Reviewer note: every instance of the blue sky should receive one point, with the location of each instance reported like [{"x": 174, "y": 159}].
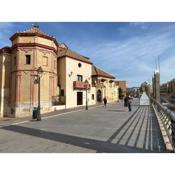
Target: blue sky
[{"x": 127, "y": 50}]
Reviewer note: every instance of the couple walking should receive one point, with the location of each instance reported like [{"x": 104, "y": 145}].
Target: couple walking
[{"x": 127, "y": 103}]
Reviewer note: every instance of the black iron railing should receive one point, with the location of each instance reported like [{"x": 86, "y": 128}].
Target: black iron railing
[{"x": 168, "y": 119}]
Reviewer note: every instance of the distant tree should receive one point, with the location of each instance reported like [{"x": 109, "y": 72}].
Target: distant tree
[{"x": 120, "y": 93}]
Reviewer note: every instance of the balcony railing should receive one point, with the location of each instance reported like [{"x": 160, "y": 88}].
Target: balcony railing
[
  {"x": 58, "y": 100},
  {"x": 80, "y": 85}
]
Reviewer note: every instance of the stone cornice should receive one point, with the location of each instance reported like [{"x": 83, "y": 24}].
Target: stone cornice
[
  {"x": 33, "y": 45},
  {"x": 13, "y": 37},
  {"x": 33, "y": 71}
]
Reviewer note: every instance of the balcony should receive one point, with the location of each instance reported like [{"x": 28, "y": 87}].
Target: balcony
[{"x": 80, "y": 85}]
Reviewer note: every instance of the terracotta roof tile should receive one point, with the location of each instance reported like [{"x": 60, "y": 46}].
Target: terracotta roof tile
[
  {"x": 65, "y": 51},
  {"x": 5, "y": 50},
  {"x": 101, "y": 73},
  {"x": 32, "y": 32}
]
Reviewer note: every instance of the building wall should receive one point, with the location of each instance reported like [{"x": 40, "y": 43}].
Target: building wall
[
  {"x": 1, "y": 86},
  {"x": 122, "y": 85},
  {"x": 65, "y": 80},
  {"x": 34, "y": 39},
  {"x": 5, "y": 79},
  {"x": 93, "y": 96},
  {"x": 171, "y": 86},
  {"x": 168, "y": 87},
  {"x": 110, "y": 90},
  {"x": 61, "y": 71},
  {"x": 116, "y": 95},
  {"x": 25, "y": 93},
  {"x": 71, "y": 94},
  {"x": 19, "y": 93}
]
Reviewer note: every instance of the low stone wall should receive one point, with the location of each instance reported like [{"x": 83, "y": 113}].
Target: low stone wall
[{"x": 167, "y": 142}]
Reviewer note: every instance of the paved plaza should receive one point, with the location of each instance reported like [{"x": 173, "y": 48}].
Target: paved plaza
[{"x": 99, "y": 129}]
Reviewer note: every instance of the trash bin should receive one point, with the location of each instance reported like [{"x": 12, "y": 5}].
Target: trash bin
[{"x": 35, "y": 113}]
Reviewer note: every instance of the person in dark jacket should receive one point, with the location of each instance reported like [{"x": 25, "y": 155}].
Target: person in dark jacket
[
  {"x": 105, "y": 101},
  {"x": 129, "y": 104},
  {"x": 126, "y": 103}
]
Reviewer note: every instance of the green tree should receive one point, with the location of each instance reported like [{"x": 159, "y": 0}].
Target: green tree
[{"x": 120, "y": 93}]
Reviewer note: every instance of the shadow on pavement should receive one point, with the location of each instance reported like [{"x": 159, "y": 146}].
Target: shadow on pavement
[
  {"x": 132, "y": 130},
  {"x": 99, "y": 146},
  {"x": 116, "y": 110},
  {"x": 122, "y": 126}
]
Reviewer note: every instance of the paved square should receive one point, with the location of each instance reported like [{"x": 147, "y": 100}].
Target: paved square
[{"x": 99, "y": 129}]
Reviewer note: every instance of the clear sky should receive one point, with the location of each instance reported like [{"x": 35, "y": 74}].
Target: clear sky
[{"x": 127, "y": 50}]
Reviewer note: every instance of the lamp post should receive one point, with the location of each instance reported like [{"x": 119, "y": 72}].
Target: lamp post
[
  {"x": 40, "y": 72},
  {"x": 86, "y": 84}
]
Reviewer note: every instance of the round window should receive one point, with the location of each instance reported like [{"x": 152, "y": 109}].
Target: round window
[{"x": 79, "y": 65}]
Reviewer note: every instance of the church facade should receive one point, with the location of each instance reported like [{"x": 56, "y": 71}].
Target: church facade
[{"x": 68, "y": 78}]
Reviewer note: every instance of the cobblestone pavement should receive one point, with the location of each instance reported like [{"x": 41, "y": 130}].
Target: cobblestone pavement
[{"x": 110, "y": 129}]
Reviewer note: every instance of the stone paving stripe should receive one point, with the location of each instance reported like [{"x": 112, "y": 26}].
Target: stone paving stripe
[
  {"x": 116, "y": 133},
  {"x": 126, "y": 143},
  {"x": 126, "y": 130},
  {"x": 139, "y": 132},
  {"x": 146, "y": 132}
]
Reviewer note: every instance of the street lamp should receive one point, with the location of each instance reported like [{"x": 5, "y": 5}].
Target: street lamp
[
  {"x": 37, "y": 81},
  {"x": 86, "y": 85}
]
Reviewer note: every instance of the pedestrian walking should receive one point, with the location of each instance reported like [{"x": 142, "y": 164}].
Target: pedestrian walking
[
  {"x": 105, "y": 101},
  {"x": 129, "y": 103},
  {"x": 126, "y": 103}
]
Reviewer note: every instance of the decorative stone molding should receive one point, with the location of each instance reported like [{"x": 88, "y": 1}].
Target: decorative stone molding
[
  {"x": 33, "y": 45},
  {"x": 44, "y": 51},
  {"x": 26, "y": 50},
  {"x": 34, "y": 71},
  {"x": 18, "y": 73},
  {"x": 12, "y": 38}
]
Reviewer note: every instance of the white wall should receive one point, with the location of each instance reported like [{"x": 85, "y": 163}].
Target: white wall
[
  {"x": 93, "y": 91},
  {"x": 4, "y": 84},
  {"x": 85, "y": 70}
]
